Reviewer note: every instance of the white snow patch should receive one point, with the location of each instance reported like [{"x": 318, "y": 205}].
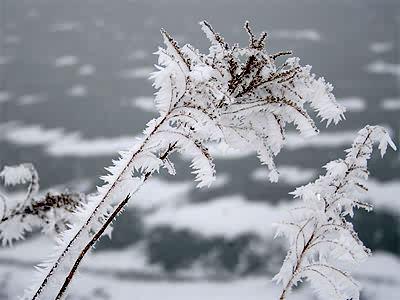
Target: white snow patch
[
  {"x": 220, "y": 180},
  {"x": 30, "y": 135},
  {"x": 30, "y": 99},
  {"x": 145, "y": 103},
  {"x": 382, "y": 67},
  {"x": 66, "y": 26},
  {"x": 98, "y": 22},
  {"x": 5, "y": 96},
  {"x": 33, "y": 13},
  {"x": 26, "y": 251},
  {"x": 380, "y": 47},
  {"x": 379, "y": 277},
  {"x": 385, "y": 265},
  {"x": 391, "y": 104},
  {"x": 384, "y": 195},
  {"x": 87, "y": 70},
  {"x": 224, "y": 151},
  {"x": 100, "y": 285},
  {"x": 225, "y": 216},
  {"x": 58, "y": 142},
  {"x": 119, "y": 35},
  {"x": 66, "y": 61},
  {"x": 75, "y": 145},
  {"x": 303, "y": 34},
  {"x": 293, "y": 142},
  {"x": 143, "y": 72},
  {"x": 5, "y": 59},
  {"x": 288, "y": 174},
  {"x": 78, "y": 90},
  {"x": 12, "y": 39},
  {"x": 354, "y": 104},
  {"x": 137, "y": 55},
  {"x": 129, "y": 258},
  {"x": 157, "y": 194},
  {"x": 323, "y": 140}
]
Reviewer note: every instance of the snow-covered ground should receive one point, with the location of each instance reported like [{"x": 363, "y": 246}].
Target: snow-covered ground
[
  {"x": 116, "y": 273},
  {"x": 120, "y": 274}
]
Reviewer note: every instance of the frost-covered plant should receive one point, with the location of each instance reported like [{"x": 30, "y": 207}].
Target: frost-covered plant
[
  {"x": 321, "y": 237},
  {"x": 50, "y": 213},
  {"x": 236, "y": 95}
]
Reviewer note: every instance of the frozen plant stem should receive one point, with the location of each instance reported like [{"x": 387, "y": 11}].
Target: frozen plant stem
[
  {"x": 232, "y": 95},
  {"x": 319, "y": 232},
  {"x": 296, "y": 270},
  {"x": 118, "y": 208},
  {"x": 100, "y": 232}
]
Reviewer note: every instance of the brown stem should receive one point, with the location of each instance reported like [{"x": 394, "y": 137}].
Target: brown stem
[
  {"x": 296, "y": 269},
  {"x": 50, "y": 201},
  {"x": 89, "y": 246},
  {"x": 100, "y": 232},
  {"x": 69, "y": 245},
  {"x": 309, "y": 243}
]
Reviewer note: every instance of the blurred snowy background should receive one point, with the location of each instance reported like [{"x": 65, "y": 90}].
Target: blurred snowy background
[{"x": 74, "y": 90}]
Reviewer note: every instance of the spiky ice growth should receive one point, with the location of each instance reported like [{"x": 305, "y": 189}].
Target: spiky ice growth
[
  {"x": 50, "y": 213},
  {"x": 321, "y": 237},
  {"x": 239, "y": 96}
]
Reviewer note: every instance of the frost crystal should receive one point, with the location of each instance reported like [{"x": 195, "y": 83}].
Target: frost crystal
[
  {"x": 50, "y": 213},
  {"x": 237, "y": 95},
  {"x": 320, "y": 235}
]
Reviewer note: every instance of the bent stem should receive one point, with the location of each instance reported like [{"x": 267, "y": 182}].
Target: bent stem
[
  {"x": 316, "y": 234},
  {"x": 119, "y": 208},
  {"x": 233, "y": 95},
  {"x": 107, "y": 222},
  {"x": 297, "y": 268}
]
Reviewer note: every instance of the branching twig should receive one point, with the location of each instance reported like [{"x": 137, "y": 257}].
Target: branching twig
[
  {"x": 330, "y": 236},
  {"x": 197, "y": 98}
]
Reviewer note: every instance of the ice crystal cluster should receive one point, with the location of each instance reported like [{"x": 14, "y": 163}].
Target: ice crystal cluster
[
  {"x": 321, "y": 237},
  {"x": 236, "y": 95},
  {"x": 50, "y": 213}
]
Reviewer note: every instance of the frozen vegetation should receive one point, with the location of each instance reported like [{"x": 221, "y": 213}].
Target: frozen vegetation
[{"x": 230, "y": 102}]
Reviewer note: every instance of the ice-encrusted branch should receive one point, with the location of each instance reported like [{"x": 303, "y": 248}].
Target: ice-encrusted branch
[
  {"x": 320, "y": 235},
  {"x": 233, "y": 95},
  {"x": 50, "y": 213}
]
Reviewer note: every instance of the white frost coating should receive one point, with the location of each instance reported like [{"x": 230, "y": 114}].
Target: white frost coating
[
  {"x": 21, "y": 215},
  {"x": 19, "y": 174},
  {"x": 88, "y": 219},
  {"x": 234, "y": 95},
  {"x": 319, "y": 233}
]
